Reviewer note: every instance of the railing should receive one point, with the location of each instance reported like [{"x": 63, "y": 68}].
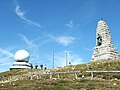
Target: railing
[
  {"x": 104, "y": 71},
  {"x": 50, "y": 74},
  {"x": 37, "y": 76},
  {"x": 92, "y": 72},
  {"x": 56, "y": 73}
]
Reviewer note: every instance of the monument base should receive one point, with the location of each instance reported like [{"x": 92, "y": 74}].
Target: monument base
[{"x": 105, "y": 53}]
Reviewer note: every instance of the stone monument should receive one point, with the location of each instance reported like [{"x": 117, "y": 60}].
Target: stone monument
[{"x": 104, "y": 49}]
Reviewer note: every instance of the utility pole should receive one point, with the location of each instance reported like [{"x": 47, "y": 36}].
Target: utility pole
[
  {"x": 53, "y": 58},
  {"x": 66, "y": 57}
]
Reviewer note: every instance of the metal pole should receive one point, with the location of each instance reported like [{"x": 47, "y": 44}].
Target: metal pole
[
  {"x": 53, "y": 58},
  {"x": 66, "y": 58}
]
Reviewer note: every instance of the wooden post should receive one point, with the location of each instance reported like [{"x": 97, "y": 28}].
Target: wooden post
[
  {"x": 76, "y": 77},
  {"x": 58, "y": 76},
  {"x": 91, "y": 75},
  {"x": 37, "y": 76},
  {"x": 31, "y": 78},
  {"x": 50, "y": 76}
]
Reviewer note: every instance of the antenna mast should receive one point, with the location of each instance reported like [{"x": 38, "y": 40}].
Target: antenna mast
[
  {"x": 53, "y": 58},
  {"x": 66, "y": 57}
]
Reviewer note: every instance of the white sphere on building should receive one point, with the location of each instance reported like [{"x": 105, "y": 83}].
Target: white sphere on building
[{"x": 22, "y": 56}]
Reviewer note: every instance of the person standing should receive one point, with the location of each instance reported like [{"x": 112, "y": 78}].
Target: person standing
[
  {"x": 45, "y": 67},
  {"x": 31, "y": 66},
  {"x": 36, "y": 66},
  {"x": 41, "y": 66}
]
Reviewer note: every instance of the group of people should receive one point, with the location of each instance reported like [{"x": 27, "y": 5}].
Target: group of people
[{"x": 41, "y": 66}]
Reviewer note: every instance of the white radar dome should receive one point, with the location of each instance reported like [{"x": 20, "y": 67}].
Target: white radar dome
[{"x": 22, "y": 56}]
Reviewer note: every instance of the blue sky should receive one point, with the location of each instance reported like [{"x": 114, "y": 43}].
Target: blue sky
[{"x": 39, "y": 26}]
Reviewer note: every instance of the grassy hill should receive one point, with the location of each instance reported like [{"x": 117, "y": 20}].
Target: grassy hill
[{"x": 101, "y": 81}]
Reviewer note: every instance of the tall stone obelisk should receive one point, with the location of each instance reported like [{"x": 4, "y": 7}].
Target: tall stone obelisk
[{"x": 104, "y": 49}]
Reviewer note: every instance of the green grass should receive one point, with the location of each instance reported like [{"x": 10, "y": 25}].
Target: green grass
[
  {"x": 68, "y": 82},
  {"x": 82, "y": 84}
]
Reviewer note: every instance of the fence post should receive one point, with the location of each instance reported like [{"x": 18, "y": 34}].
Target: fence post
[
  {"x": 50, "y": 76},
  {"x": 76, "y": 77},
  {"x": 91, "y": 75},
  {"x": 37, "y": 76},
  {"x": 31, "y": 77},
  {"x": 58, "y": 76}
]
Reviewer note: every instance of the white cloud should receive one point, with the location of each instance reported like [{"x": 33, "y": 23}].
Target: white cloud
[
  {"x": 6, "y": 63},
  {"x": 88, "y": 49},
  {"x": 31, "y": 47},
  {"x": 6, "y": 59},
  {"x": 70, "y": 24},
  {"x": 6, "y": 53},
  {"x": 21, "y": 15},
  {"x": 64, "y": 40},
  {"x": 28, "y": 42}
]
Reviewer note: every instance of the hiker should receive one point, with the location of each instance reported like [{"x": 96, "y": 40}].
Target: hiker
[
  {"x": 45, "y": 67},
  {"x": 69, "y": 63},
  {"x": 31, "y": 66},
  {"x": 36, "y": 66},
  {"x": 41, "y": 66}
]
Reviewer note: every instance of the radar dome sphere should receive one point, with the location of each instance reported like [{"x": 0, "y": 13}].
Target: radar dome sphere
[{"x": 22, "y": 56}]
